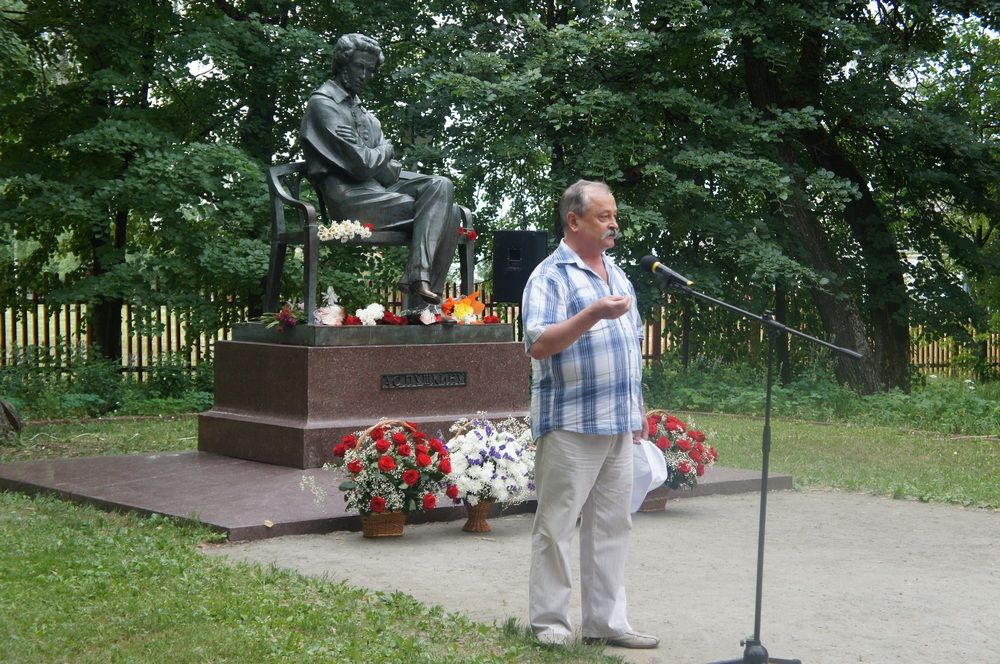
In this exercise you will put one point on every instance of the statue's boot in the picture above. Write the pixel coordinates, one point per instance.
(423, 289)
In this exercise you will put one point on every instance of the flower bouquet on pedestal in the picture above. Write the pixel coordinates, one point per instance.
(393, 468)
(290, 315)
(375, 314)
(684, 451)
(467, 310)
(344, 230)
(490, 462)
(331, 313)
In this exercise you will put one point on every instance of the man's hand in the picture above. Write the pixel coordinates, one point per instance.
(612, 306)
(560, 336)
(643, 433)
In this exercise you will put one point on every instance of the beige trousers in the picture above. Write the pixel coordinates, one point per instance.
(591, 476)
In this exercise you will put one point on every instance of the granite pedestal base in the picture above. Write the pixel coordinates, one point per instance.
(289, 403)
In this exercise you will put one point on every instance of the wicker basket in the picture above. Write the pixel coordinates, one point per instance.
(656, 411)
(384, 524)
(655, 500)
(387, 423)
(478, 514)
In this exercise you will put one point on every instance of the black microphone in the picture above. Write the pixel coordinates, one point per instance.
(653, 264)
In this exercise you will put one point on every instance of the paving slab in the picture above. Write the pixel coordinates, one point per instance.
(250, 500)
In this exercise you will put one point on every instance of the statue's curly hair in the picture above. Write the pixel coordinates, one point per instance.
(348, 44)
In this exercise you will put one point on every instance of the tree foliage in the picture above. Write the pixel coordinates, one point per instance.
(753, 145)
(112, 190)
(837, 160)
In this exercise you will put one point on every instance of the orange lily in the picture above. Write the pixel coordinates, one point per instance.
(468, 305)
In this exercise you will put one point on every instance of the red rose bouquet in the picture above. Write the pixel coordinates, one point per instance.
(683, 448)
(392, 467)
(289, 316)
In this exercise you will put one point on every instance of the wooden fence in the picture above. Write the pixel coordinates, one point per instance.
(56, 333)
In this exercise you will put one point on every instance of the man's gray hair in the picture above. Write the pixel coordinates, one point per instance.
(576, 199)
(348, 44)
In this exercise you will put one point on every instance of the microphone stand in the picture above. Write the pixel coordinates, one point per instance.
(754, 651)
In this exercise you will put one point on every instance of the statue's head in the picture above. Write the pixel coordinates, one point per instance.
(355, 51)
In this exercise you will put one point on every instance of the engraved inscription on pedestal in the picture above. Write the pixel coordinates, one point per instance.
(416, 380)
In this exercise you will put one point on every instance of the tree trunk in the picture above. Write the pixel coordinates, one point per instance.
(686, 333)
(840, 314)
(781, 348)
(887, 301)
(839, 310)
(105, 317)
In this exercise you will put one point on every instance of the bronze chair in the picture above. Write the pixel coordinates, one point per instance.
(284, 183)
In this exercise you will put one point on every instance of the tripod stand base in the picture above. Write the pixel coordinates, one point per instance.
(755, 653)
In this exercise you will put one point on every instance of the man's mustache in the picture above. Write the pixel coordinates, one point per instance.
(610, 233)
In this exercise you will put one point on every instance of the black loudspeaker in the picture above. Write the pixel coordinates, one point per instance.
(515, 255)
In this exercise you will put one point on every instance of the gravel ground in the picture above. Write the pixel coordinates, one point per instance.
(847, 577)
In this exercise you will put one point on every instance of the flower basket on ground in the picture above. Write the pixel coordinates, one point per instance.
(392, 467)
(490, 462)
(683, 448)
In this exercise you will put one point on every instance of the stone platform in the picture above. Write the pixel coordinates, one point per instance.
(286, 398)
(250, 500)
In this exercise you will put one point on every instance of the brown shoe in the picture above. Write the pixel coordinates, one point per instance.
(633, 640)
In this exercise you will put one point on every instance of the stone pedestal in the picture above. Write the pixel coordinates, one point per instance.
(286, 398)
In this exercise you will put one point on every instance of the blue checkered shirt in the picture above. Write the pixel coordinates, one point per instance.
(595, 385)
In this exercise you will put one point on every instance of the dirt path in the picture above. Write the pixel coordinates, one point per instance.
(847, 577)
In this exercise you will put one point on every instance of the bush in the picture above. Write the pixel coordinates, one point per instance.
(170, 377)
(204, 377)
(76, 404)
(27, 384)
(949, 405)
(95, 386)
(98, 377)
(936, 404)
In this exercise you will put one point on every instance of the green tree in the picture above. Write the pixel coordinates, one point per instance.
(756, 144)
(134, 143)
(959, 268)
(809, 147)
(107, 191)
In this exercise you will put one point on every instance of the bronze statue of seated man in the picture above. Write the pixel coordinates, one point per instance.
(353, 168)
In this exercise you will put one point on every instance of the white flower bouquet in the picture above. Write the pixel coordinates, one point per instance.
(343, 230)
(331, 313)
(491, 461)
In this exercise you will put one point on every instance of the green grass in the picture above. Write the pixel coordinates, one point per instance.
(99, 437)
(78, 584)
(859, 457)
(81, 585)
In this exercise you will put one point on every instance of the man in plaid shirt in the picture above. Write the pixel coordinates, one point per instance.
(583, 332)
